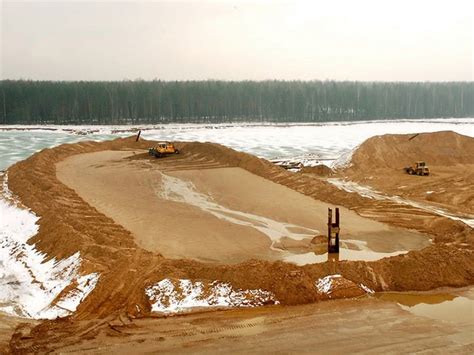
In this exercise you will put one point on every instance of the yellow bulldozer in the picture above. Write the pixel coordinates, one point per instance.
(420, 168)
(162, 149)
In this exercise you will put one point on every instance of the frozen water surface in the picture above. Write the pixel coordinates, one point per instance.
(270, 141)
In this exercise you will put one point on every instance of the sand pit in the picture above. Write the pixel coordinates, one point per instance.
(223, 214)
(202, 183)
(206, 182)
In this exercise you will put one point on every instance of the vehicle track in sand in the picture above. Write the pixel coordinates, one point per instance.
(382, 325)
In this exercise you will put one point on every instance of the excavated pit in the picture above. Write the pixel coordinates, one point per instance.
(127, 266)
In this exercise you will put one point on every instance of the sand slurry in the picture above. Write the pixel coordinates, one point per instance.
(226, 214)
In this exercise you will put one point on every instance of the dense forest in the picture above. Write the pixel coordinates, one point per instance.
(132, 102)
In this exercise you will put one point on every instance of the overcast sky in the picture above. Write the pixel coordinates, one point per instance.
(392, 40)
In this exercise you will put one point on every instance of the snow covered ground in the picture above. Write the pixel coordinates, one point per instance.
(270, 141)
(28, 283)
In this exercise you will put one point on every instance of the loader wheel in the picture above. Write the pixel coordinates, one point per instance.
(176, 151)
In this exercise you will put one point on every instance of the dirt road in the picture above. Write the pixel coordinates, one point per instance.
(343, 326)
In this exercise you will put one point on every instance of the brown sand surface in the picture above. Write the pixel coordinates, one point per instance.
(128, 191)
(380, 160)
(341, 326)
(69, 224)
(8, 326)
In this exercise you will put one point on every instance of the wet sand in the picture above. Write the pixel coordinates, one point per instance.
(343, 326)
(8, 325)
(454, 306)
(218, 214)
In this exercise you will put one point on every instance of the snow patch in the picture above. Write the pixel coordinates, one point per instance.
(169, 296)
(295, 164)
(366, 289)
(344, 160)
(325, 285)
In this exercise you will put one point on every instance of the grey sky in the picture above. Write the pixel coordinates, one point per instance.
(397, 40)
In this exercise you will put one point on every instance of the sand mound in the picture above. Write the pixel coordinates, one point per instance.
(400, 150)
(380, 160)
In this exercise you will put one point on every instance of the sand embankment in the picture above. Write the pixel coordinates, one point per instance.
(69, 224)
(380, 160)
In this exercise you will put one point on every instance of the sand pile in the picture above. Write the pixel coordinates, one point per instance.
(380, 160)
(400, 150)
(68, 224)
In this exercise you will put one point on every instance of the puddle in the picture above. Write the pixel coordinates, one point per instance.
(367, 191)
(349, 250)
(445, 306)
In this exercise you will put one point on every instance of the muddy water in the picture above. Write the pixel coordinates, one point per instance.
(451, 307)
(345, 253)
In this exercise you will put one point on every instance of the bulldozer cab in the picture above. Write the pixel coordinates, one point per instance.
(162, 149)
(165, 147)
(420, 164)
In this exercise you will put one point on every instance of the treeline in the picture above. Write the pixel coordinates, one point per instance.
(132, 102)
